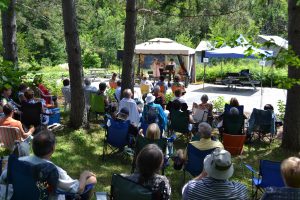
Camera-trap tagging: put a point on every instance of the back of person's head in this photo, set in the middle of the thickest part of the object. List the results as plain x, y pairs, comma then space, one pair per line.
290, 170
178, 93
156, 89
204, 98
6, 89
153, 132
176, 78
66, 82
234, 102
234, 111
119, 83
8, 109
87, 81
204, 130
102, 86
43, 143
114, 75
22, 87
127, 93
29, 94
268, 107
149, 161
162, 78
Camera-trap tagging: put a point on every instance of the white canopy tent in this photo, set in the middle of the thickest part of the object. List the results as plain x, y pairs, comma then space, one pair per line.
165, 46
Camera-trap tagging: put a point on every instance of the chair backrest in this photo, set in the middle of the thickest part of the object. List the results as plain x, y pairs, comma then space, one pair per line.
31, 114
194, 164
263, 119
144, 89
151, 114
179, 121
200, 115
228, 107
67, 94
234, 143
97, 103
117, 133
233, 124
8, 136
141, 142
270, 173
34, 182
123, 188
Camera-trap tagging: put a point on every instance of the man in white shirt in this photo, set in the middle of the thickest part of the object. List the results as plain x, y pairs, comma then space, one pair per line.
130, 104
87, 89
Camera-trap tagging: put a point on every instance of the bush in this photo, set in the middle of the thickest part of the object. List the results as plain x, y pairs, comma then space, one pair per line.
218, 70
90, 59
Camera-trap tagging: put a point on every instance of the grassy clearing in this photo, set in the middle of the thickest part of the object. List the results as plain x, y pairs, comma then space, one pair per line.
82, 149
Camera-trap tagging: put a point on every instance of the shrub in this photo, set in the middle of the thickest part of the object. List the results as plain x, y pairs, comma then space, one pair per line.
219, 104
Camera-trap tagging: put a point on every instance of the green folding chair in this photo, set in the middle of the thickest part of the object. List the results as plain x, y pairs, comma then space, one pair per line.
179, 122
97, 105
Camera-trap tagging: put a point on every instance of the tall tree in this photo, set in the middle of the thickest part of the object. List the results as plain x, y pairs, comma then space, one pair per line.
9, 31
74, 60
129, 45
291, 135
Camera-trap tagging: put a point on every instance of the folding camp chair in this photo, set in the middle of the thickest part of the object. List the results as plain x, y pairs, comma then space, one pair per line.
8, 136
144, 89
195, 158
179, 122
269, 176
234, 143
262, 123
123, 188
233, 124
34, 182
228, 107
97, 105
141, 142
200, 115
31, 114
116, 135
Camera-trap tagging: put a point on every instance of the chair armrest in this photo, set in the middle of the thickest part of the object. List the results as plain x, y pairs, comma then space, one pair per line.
101, 195
250, 168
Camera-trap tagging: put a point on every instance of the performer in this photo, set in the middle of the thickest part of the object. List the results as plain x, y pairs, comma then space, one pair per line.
155, 68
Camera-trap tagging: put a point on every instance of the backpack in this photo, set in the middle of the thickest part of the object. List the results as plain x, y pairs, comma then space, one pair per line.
151, 114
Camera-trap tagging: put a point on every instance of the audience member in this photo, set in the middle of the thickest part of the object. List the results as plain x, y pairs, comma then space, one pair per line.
44, 92
101, 92
177, 84
147, 82
43, 146
118, 91
153, 132
6, 98
290, 170
213, 182
9, 121
154, 113
149, 161
130, 104
88, 89
205, 106
234, 102
113, 81
162, 84
22, 88
66, 89
159, 97
174, 103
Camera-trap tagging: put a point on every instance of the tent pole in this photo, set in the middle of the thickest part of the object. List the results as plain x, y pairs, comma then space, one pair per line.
204, 68
261, 85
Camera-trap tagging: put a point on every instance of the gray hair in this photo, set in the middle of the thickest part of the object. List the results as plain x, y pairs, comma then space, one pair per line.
205, 130
204, 98
156, 88
87, 81
234, 111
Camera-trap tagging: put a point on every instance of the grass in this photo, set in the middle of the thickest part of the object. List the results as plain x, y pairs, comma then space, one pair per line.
79, 150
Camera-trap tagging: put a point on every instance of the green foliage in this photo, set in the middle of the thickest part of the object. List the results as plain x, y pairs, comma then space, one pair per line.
281, 110
110, 93
219, 104
90, 59
185, 39
3, 4
169, 96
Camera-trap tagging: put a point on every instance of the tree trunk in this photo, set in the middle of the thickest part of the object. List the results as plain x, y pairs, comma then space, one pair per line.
9, 32
129, 45
291, 131
74, 60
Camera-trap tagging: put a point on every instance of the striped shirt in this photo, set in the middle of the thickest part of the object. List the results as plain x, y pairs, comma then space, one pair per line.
209, 188
284, 193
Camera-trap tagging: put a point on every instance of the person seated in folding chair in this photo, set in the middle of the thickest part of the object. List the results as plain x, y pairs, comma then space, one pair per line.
206, 141
178, 97
159, 97
204, 106
213, 182
146, 85
290, 170
162, 84
148, 163
43, 146
22, 88
9, 121
233, 122
6, 98
153, 113
44, 92
130, 104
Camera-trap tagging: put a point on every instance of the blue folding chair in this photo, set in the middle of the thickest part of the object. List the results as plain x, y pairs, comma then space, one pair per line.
116, 136
34, 182
194, 164
269, 176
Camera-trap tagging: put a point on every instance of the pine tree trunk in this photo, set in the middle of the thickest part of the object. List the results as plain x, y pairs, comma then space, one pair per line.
74, 60
9, 32
291, 131
129, 46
